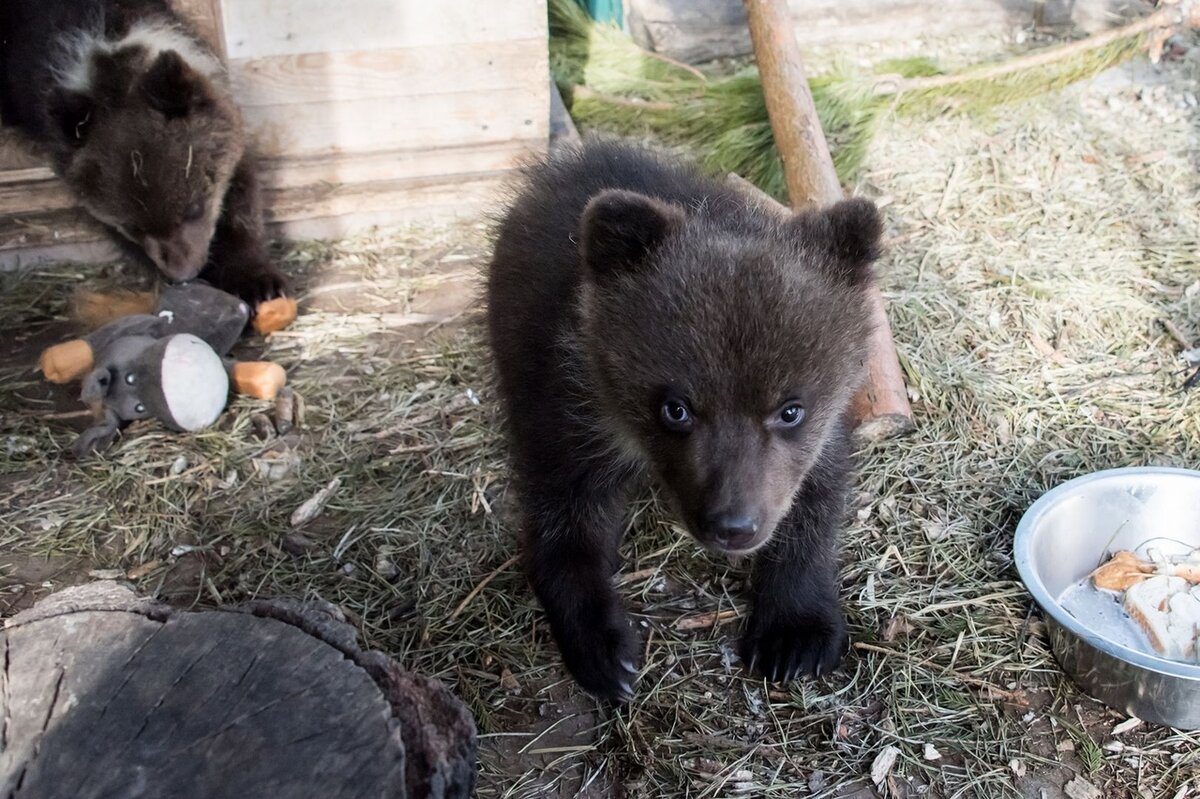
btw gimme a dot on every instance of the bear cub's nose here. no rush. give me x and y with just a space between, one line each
730 530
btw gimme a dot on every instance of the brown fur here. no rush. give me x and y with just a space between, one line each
623 288
154 153
137 116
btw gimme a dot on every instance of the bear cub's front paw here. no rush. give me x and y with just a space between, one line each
255 283
602 654
782 647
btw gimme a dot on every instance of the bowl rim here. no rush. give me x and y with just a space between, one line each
1022 555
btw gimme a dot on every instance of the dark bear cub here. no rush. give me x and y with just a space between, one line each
136 115
649 322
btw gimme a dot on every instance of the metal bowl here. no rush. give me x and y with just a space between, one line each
1071 530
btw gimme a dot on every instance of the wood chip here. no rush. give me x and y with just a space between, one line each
285 410
706 620
881 767
297 543
274 466
138 572
1079 788
1046 349
1128 724
897 626
313 506
299 409
262 426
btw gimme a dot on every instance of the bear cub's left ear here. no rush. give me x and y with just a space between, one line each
849 231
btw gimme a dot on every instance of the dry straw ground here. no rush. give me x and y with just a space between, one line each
1034 257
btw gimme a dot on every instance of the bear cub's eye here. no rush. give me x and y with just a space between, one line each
193 212
676 416
791 415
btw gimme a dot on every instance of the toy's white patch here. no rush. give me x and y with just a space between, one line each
155 36
195 384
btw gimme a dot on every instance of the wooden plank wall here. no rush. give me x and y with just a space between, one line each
371 107
364 112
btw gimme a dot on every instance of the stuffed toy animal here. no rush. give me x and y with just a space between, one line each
169 365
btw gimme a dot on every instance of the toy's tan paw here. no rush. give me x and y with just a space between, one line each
95 309
274 314
68 361
258 379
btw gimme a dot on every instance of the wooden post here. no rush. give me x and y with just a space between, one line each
881 408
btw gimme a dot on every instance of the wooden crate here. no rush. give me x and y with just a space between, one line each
366 112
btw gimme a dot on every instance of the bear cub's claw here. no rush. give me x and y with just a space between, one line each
603 659
784 648
256 285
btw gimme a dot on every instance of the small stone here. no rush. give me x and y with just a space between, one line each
1018 767
385 567
179 466
19 445
931 753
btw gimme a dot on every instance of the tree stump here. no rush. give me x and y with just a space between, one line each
106 694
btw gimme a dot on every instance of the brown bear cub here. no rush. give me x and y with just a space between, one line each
136 115
650 322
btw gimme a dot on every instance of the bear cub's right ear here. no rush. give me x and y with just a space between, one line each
620 229
849 231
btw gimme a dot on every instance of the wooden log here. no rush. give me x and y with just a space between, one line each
881 408
104 693
1163 21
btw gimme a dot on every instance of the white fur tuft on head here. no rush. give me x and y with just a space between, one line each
154 36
